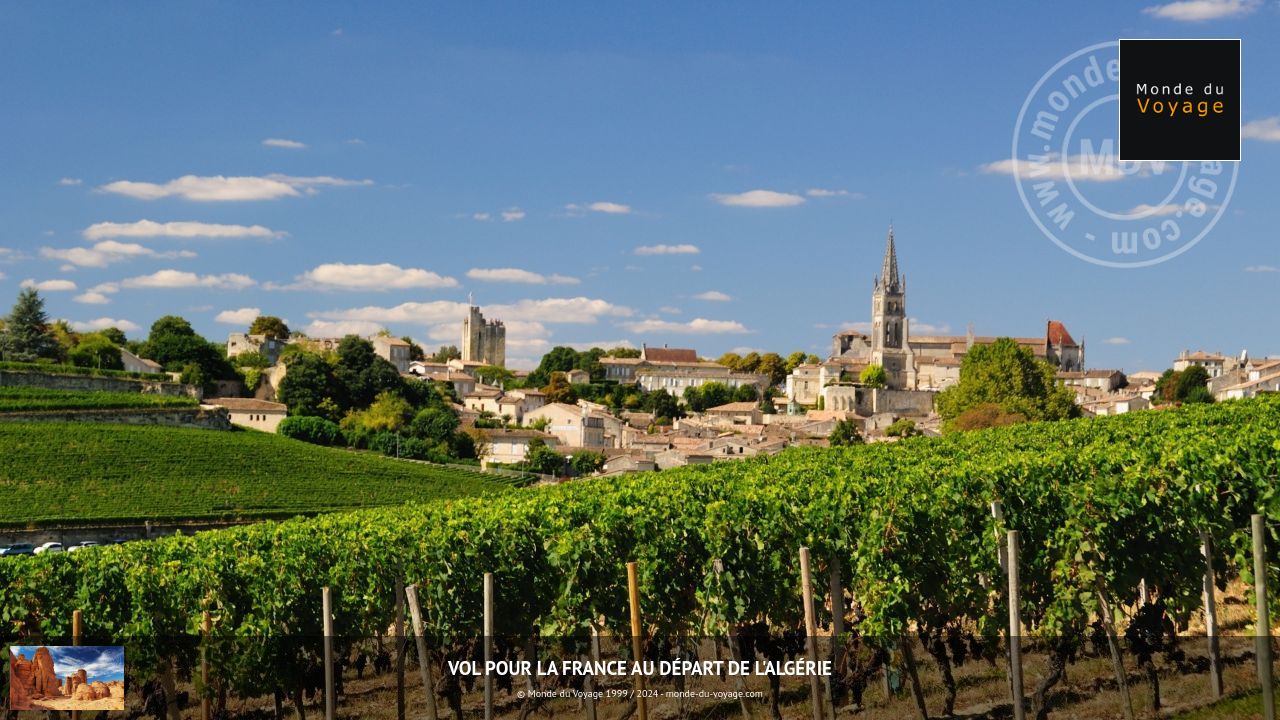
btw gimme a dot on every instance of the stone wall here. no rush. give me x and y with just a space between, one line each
203 418
103 532
902 402
89 383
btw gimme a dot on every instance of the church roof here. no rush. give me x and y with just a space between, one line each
889 278
1058 334
665 354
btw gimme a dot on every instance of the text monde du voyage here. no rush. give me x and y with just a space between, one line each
1180 99
624 668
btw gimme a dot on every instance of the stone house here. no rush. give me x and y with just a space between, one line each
393 350
510 447
133 363
257 414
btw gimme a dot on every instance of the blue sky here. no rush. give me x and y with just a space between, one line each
353 166
101 663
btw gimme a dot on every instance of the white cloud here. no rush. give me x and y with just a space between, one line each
758 199
9 255
179 279
103 323
825 193
667 250
1262 269
1197 10
341 328
575 310
1267 129
243 316
384 276
70 181
610 207
713 296
481 216
512 214
2 276
603 344
697 326
49 285
1080 168
150 228
1116 341
92 297
670 310
354 141
516 275
283 143
107 252
219 188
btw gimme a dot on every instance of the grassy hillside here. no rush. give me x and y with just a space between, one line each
55 473
22 399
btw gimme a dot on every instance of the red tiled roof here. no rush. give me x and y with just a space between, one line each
669 354
247 404
1058 334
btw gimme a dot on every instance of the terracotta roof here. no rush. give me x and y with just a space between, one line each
247 404
506 433
1057 335
663 354
1201 355
734 407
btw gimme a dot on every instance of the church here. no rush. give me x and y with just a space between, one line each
919 362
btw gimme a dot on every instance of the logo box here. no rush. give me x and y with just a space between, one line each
1179 100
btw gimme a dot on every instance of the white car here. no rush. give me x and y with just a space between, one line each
52 547
83 545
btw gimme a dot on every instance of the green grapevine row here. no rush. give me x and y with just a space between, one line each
1101 505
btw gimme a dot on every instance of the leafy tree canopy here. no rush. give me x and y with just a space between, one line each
1010 377
269 325
27 335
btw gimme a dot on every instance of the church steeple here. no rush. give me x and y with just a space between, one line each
889 278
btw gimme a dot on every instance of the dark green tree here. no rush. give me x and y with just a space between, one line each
1010 377
27 335
845 433
269 325
363 373
96 351
311 388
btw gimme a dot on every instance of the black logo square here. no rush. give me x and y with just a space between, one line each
1179 100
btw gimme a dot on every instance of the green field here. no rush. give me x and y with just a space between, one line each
25 399
70 473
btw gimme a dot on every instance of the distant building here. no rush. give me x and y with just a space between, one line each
674 370
393 350
1214 363
510 447
573 425
257 414
269 347
483 341
133 363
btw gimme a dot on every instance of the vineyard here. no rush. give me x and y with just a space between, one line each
25 399
67 474
76 370
1102 506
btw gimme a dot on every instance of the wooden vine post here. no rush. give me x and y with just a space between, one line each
424 661
1263 630
836 594
1211 616
330 700
811 631
488 645
637 640
77 635
1104 614
1015 627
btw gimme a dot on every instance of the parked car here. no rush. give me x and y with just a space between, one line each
18 549
52 547
82 545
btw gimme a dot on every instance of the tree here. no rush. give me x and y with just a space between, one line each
560 359
1010 377
986 415
416 353
27 336
175 345
766 402
774 366
873 376
558 390
311 388
251 359
269 325
745 393
844 434
664 405
902 427
709 395
434 423
314 430
96 351
66 336
1193 385
586 462
493 375
115 335
795 360
542 459
445 354
388 413
363 373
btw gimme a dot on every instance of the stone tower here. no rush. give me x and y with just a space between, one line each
889 347
483 340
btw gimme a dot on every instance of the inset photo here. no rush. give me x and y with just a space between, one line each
64 677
